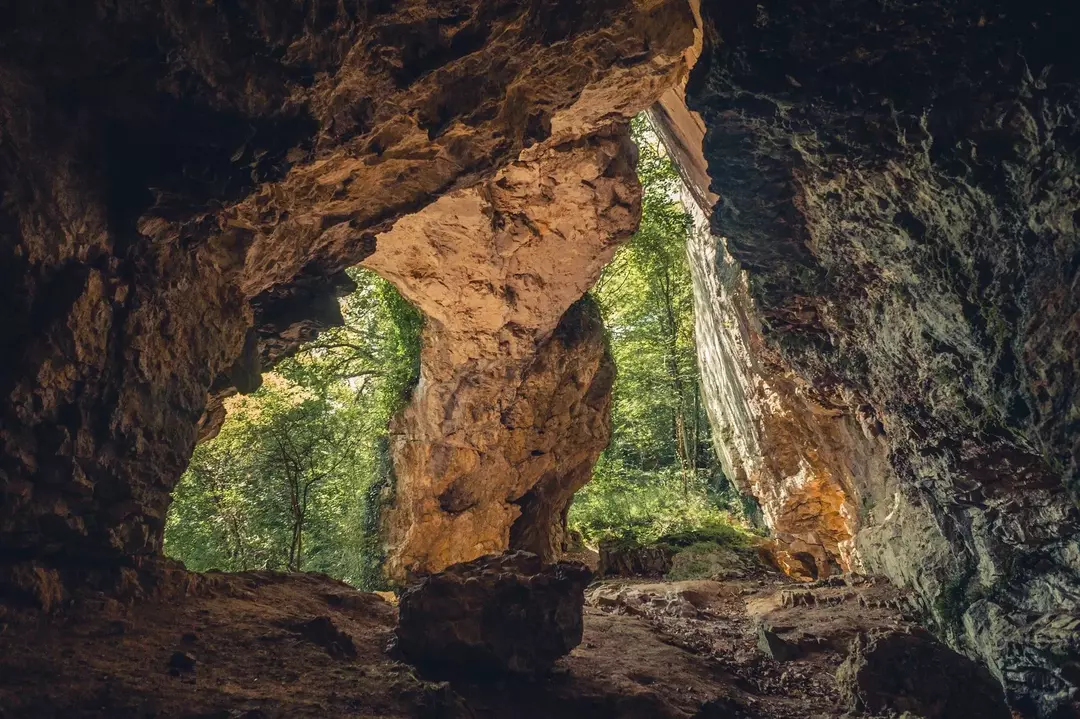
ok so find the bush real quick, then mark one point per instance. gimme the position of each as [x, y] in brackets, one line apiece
[647, 506]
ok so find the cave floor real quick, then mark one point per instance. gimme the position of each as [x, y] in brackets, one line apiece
[261, 645]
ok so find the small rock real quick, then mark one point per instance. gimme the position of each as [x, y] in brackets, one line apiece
[770, 644]
[181, 662]
[323, 632]
[619, 558]
[684, 610]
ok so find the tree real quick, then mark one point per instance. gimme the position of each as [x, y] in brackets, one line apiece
[293, 481]
[659, 473]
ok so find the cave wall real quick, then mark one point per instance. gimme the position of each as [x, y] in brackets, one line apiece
[183, 184]
[894, 249]
[513, 404]
[801, 457]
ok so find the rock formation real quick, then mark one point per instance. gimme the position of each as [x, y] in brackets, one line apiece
[512, 408]
[889, 325]
[182, 187]
[896, 672]
[506, 613]
[781, 442]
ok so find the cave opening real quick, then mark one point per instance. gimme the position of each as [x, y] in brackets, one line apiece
[660, 480]
[296, 475]
[883, 260]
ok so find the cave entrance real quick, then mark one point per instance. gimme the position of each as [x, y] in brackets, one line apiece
[660, 480]
[294, 479]
[301, 468]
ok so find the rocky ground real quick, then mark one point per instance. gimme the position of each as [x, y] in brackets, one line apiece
[271, 645]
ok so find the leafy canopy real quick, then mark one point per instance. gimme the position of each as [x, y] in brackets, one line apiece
[294, 480]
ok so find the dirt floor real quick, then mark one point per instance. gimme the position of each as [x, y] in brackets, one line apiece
[270, 645]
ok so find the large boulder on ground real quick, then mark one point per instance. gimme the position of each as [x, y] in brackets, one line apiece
[895, 672]
[508, 613]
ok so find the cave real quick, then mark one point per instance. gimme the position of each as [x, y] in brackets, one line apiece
[886, 283]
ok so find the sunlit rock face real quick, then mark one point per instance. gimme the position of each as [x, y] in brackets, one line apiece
[513, 406]
[183, 185]
[898, 184]
[799, 456]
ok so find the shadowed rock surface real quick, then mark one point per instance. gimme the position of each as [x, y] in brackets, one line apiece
[183, 186]
[271, 645]
[508, 613]
[897, 672]
[888, 296]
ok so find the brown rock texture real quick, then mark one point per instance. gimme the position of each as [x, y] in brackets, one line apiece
[507, 613]
[513, 403]
[183, 185]
[497, 464]
[897, 197]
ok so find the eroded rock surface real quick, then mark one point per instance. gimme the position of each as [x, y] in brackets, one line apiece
[183, 185]
[897, 198]
[508, 613]
[513, 404]
[778, 439]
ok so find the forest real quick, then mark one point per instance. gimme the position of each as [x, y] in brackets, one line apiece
[297, 475]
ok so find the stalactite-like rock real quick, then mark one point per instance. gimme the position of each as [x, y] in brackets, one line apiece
[182, 185]
[898, 183]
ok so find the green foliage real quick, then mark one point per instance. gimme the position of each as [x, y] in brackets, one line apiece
[711, 560]
[296, 477]
[643, 505]
[659, 475]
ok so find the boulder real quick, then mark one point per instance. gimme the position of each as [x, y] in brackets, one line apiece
[499, 614]
[771, 644]
[896, 672]
[619, 558]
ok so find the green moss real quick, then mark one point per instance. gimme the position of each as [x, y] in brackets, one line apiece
[711, 560]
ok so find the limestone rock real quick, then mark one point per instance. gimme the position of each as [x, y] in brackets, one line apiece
[778, 439]
[507, 613]
[888, 304]
[183, 186]
[503, 428]
[896, 672]
[774, 646]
